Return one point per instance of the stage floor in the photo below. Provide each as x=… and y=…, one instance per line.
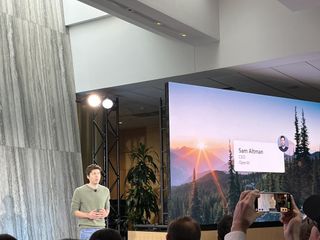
x=266, y=233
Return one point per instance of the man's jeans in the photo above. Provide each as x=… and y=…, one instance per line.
x=86, y=233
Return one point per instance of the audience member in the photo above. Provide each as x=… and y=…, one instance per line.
x=224, y=226
x=312, y=210
x=6, y=237
x=305, y=229
x=69, y=239
x=315, y=234
x=244, y=215
x=291, y=222
x=184, y=228
x=106, y=234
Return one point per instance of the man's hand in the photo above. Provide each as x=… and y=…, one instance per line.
x=103, y=213
x=315, y=234
x=291, y=222
x=244, y=213
x=94, y=215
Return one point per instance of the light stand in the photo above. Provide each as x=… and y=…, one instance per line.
x=102, y=151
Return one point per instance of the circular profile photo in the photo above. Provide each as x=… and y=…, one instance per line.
x=283, y=143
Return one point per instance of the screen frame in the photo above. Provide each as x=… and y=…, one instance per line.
x=214, y=225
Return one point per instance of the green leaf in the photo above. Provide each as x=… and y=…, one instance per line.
x=142, y=200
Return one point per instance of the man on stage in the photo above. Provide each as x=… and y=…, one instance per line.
x=91, y=203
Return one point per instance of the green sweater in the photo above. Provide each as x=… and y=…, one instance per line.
x=86, y=199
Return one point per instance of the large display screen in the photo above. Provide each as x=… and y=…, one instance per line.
x=223, y=142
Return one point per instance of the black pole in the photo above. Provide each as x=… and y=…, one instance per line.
x=106, y=153
x=104, y=131
x=105, y=149
x=93, y=138
x=161, y=161
x=118, y=161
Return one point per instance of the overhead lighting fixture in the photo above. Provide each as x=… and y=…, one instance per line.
x=107, y=103
x=94, y=100
x=183, y=34
x=158, y=23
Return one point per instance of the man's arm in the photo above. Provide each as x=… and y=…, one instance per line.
x=291, y=222
x=244, y=215
x=315, y=234
x=93, y=215
x=103, y=213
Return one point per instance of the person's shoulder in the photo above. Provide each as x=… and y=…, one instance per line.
x=81, y=188
x=104, y=188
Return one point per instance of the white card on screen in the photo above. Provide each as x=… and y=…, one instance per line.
x=252, y=156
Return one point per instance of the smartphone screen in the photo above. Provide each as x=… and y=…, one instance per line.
x=273, y=202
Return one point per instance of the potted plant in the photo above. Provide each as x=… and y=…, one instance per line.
x=142, y=200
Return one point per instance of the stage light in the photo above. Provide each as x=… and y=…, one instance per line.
x=107, y=103
x=94, y=100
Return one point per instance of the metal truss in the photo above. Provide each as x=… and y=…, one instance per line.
x=164, y=162
x=105, y=146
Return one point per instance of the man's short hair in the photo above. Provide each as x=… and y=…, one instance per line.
x=224, y=226
x=92, y=167
x=7, y=237
x=106, y=233
x=184, y=228
x=311, y=209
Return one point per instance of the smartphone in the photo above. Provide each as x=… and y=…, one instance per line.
x=273, y=202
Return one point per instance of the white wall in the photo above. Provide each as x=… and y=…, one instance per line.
x=77, y=12
x=110, y=52
x=40, y=154
x=253, y=31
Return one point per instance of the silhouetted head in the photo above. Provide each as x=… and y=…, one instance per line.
x=224, y=226
x=312, y=210
x=106, y=234
x=184, y=228
x=69, y=239
x=6, y=237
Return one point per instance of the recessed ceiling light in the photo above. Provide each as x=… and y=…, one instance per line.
x=158, y=23
x=183, y=34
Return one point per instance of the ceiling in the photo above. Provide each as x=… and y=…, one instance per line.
x=151, y=19
x=140, y=14
x=295, y=77
x=296, y=5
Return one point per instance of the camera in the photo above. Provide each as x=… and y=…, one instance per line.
x=273, y=202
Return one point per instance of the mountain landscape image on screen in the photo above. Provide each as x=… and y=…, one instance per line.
x=204, y=183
